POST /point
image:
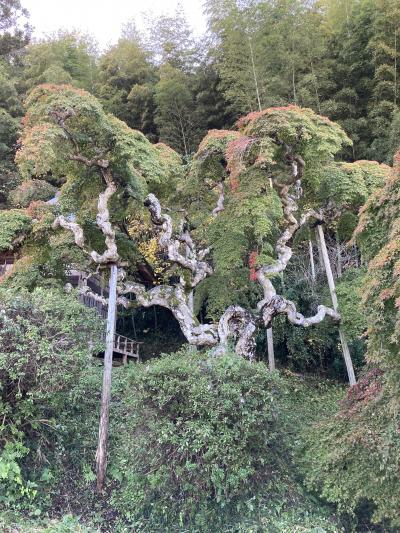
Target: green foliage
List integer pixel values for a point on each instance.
(10, 111)
(13, 486)
(171, 40)
(132, 158)
(352, 458)
(378, 235)
(244, 161)
(14, 224)
(15, 30)
(8, 132)
(349, 185)
(312, 350)
(67, 524)
(136, 165)
(126, 84)
(200, 437)
(65, 57)
(349, 290)
(339, 58)
(45, 340)
(176, 114)
(317, 139)
(31, 190)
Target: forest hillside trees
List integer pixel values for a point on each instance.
(174, 87)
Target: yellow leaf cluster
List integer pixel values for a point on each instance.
(150, 251)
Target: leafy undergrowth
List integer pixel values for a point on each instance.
(10, 523)
(247, 428)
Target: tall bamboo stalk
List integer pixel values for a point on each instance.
(254, 74)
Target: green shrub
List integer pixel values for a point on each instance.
(29, 191)
(45, 339)
(200, 437)
(67, 524)
(353, 457)
(14, 223)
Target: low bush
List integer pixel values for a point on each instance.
(352, 458)
(66, 524)
(46, 338)
(200, 438)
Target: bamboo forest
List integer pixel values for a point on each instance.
(200, 268)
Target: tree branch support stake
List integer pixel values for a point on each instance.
(101, 454)
(332, 290)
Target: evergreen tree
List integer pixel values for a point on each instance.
(385, 101)
(236, 54)
(210, 103)
(10, 113)
(350, 91)
(171, 41)
(176, 115)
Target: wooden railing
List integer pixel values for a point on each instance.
(126, 347)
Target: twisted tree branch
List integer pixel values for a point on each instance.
(103, 222)
(174, 299)
(220, 202)
(273, 304)
(192, 261)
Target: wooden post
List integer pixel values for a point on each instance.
(332, 289)
(312, 263)
(134, 326)
(320, 257)
(101, 454)
(270, 337)
(270, 346)
(338, 258)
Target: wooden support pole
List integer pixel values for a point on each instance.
(338, 258)
(312, 262)
(332, 289)
(270, 346)
(101, 454)
(270, 337)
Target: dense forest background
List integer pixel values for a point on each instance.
(198, 443)
(340, 58)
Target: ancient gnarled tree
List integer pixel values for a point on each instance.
(280, 147)
(235, 214)
(102, 169)
(253, 177)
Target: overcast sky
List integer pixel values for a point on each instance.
(104, 18)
